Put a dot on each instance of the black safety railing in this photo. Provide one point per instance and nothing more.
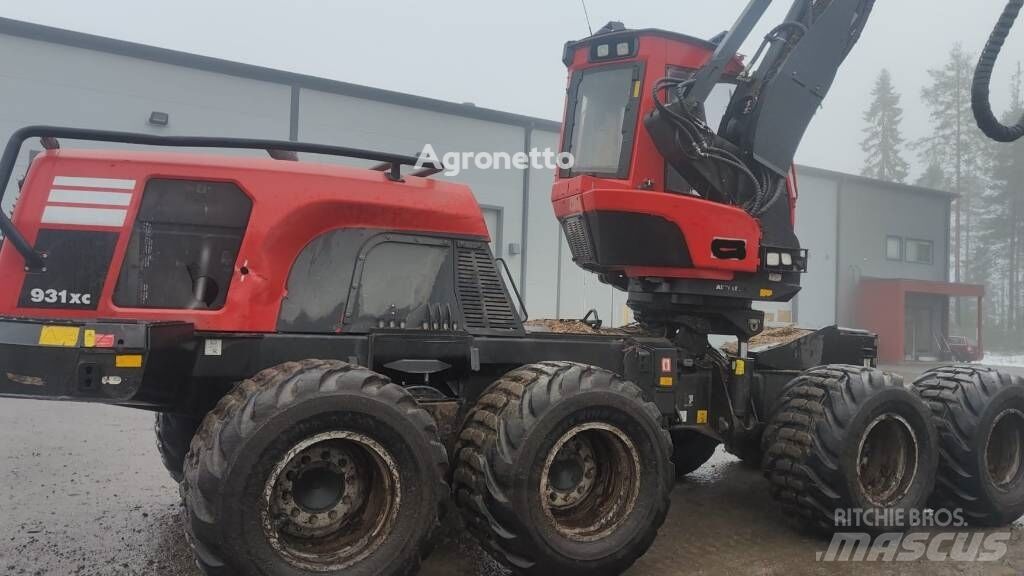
(282, 150)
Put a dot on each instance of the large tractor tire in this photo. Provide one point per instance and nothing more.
(979, 413)
(691, 450)
(312, 468)
(751, 447)
(849, 438)
(174, 434)
(564, 469)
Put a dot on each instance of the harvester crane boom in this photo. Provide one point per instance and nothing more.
(980, 101)
(747, 160)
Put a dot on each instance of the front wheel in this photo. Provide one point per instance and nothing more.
(314, 467)
(564, 469)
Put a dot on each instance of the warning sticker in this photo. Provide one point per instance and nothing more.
(66, 336)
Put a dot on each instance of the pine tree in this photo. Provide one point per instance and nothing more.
(960, 150)
(1001, 225)
(933, 177)
(883, 139)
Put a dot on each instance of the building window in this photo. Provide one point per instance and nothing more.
(919, 251)
(893, 248)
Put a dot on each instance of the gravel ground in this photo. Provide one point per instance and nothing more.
(82, 492)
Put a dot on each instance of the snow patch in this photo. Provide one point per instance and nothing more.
(999, 359)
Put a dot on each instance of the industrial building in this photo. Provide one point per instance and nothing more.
(879, 251)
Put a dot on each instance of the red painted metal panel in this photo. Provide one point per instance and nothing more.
(293, 203)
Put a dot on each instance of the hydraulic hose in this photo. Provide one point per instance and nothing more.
(980, 95)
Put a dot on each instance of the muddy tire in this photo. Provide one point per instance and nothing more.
(564, 469)
(174, 434)
(691, 450)
(849, 437)
(979, 413)
(314, 467)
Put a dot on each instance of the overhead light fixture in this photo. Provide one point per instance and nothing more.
(159, 118)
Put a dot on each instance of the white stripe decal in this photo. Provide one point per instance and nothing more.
(90, 197)
(94, 182)
(84, 216)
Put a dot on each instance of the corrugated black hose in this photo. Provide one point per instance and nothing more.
(980, 96)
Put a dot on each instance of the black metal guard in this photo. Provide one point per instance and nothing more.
(522, 304)
(278, 149)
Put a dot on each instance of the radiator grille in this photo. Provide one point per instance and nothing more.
(485, 303)
(578, 237)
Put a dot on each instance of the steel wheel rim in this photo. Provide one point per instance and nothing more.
(590, 499)
(887, 460)
(1004, 449)
(331, 501)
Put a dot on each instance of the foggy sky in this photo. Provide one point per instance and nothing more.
(507, 55)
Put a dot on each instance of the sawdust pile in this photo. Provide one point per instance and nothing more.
(771, 337)
(574, 327)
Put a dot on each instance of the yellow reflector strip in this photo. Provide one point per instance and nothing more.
(636, 89)
(66, 336)
(89, 338)
(665, 382)
(702, 416)
(128, 361)
(740, 367)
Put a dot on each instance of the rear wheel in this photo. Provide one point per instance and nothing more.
(174, 433)
(564, 469)
(314, 467)
(979, 413)
(691, 450)
(850, 438)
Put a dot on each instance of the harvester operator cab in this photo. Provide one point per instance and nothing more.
(627, 210)
(611, 78)
(682, 186)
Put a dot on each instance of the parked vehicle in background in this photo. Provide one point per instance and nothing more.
(961, 349)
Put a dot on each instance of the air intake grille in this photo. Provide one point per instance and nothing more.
(578, 236)
(484, 301)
